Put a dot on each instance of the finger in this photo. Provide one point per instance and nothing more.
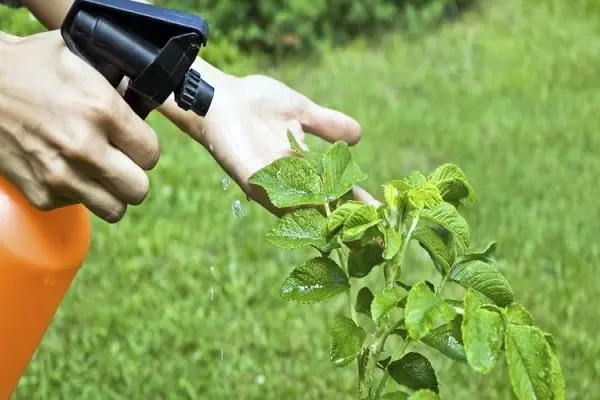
(77, 188)
(329, 124)
(134, 137)
(122, 177)
(98, 200)
(361, 194)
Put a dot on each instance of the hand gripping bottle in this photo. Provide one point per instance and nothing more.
(40, 252)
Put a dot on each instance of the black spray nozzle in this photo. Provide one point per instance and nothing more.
(153, 46)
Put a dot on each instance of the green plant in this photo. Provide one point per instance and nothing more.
(477, 325)
(279, 27)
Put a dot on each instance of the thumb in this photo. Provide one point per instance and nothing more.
(329, 124)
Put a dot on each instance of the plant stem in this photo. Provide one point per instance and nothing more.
(402, 252)
(386, 372)
(344, 265)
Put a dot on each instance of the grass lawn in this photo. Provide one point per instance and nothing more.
(180, 300)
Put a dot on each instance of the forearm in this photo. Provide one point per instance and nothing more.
(51, 13)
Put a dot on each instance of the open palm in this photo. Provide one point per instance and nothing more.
(247, 124)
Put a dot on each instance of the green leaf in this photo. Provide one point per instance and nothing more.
(362, 260)
(403, 186)
(315, 159)
(346, 340)
(316, 280)
(448, 217)
(391, 196)
(302, 227)
(341, 172)
(415, 179)
(483, 333)
(484, 278)
(364, 299)
(337, 218)
(533, 367)
(431, 241)
(359, 221)
(551, 342)
(289, 182)
(425, 311)
(424, 196)
(452, 184)
(517, 314)
(395, 396)
(424, 395)
(415, 372)
(447, 339)
(384, 302)
(486, 255)
(393, 242)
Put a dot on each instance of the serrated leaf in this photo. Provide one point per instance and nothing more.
(341, 172)
(364, 298)
(415, 372)
(391, 196)
(447, 339)
(448, 217)
(424, 395)
(483, 333)
(315, 159)
(302, 227)
(316, 280)
(486, 255)
(431, 241)
(425, 311)
(337, 218)
(290, 181)
(533, 367)
(424, 196)
(415, 178)
(393, 242)
(551, 342)
(401, 185)
(362, 260)
(359, 221)
(395, 396)
(452, 183)
(384, 302)
(346, 340)
(517, 314)
(484, 278)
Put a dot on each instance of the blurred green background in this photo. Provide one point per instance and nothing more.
(180, 300)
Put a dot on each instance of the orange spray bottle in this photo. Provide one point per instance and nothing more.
(41, 252)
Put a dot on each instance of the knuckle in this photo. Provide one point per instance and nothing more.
(78, 148)
(56, 175)
(104, 110)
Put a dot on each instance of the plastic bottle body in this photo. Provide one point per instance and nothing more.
(40, 254)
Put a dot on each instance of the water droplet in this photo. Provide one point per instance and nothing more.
(213, 270)
(211, 294)
(260, 380)
(211, 147)
(225, 182)
(222, 354)
(237, 209)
